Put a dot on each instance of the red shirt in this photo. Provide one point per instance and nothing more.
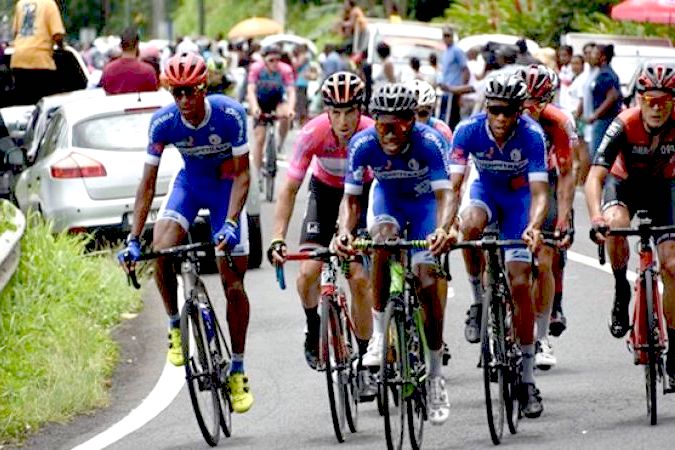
(125, 75)
(560, 136)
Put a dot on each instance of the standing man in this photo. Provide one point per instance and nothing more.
(454, 73)
(128, 73)
(37, 26)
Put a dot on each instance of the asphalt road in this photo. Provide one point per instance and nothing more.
(594, 398)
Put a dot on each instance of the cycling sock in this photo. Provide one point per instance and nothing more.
(435, 362)
(557, 302)
(620, 281)
(174, 321)
(363, 346)
(378, 318)
(476, 289)
(237, 363)
(542, 322)
(528, 364)
(313, 321)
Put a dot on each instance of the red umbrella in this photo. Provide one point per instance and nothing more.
(655, 11)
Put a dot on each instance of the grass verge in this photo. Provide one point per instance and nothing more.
(56, 316)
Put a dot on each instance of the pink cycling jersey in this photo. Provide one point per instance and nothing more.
(282, 77)
(316, 144)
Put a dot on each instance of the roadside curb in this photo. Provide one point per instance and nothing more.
(10, 238)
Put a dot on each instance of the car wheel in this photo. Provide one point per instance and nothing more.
(255, 242)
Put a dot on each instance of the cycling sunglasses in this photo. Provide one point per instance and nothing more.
(399, 128)
(273, 59)
(187, 91)
(662, 101)
(508, 111)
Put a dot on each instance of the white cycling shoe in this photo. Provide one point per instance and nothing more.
(544, 358)
(439, 404)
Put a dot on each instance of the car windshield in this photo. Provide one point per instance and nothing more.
(123, 132)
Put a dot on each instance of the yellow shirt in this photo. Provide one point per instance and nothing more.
(35, 22)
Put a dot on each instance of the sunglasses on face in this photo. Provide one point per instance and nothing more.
(662, 102)
(507, 111)
(187, 91)
(273, 59)
(398, 128)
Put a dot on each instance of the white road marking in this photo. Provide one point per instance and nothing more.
(172, 378)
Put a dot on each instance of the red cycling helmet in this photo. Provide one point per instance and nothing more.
(657, 77)
(186, 69)
(538, 81)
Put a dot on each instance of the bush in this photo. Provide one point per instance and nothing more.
(56, 315)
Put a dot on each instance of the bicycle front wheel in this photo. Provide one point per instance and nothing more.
(512, 375)
(492, 360)
(417, 403)
(653, 351)
(337, 369)
(200, 372)
(392, 374)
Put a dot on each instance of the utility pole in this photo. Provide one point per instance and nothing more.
(202, 17)
(159, 25)
(279, 12)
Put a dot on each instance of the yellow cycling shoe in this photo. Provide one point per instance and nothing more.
(175, 355)
(240, 392)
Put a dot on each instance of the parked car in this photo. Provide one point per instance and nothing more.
(88, 160)
(16, 120)
(71, 73)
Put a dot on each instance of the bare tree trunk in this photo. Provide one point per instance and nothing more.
(279, 12)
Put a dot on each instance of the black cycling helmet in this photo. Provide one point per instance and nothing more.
(393, 98)
(271, 49)
(509, 87)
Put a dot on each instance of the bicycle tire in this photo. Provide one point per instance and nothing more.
(512, 373)
(330, 351)
(199, 372)
(417, 404)
(652, 347)
(351, 391)
(492, 353)
(392, 371)
(270, 165)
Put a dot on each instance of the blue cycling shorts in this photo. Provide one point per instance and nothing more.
(418, 213)
(187, 195)
(507, 208)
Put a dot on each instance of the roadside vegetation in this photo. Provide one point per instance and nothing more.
(57, 355)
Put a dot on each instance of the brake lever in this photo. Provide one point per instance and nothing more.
(131, 277)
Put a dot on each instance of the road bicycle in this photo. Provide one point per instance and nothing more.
(403, 377)
(648, 338)
(205, 349)
(501, 357)
(269, 165)
(338, 352)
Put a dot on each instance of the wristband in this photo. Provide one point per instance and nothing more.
(232, 222)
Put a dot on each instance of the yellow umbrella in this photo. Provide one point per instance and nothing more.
(255, 26)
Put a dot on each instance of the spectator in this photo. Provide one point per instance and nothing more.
(303, 74)
(585, 108)
(565, 72)
(524, 57)
(354, 20)
(606, 92)
(454, 73)
(570, 102)
(128, 73)
(150, 55)
(333, 62)
(37, 26)
(187, 45)
(433, 63)
(386, 72)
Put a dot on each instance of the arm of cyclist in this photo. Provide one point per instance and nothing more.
(565, 193)
(227, 236)
(291, 99)
(350, 211)
(252, 98)
(440, 239)
(282, 216)
(538, 207)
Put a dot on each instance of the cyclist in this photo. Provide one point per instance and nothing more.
(633, 170)
(410, 188)
(322, 144)
(560, 138)
(511, 188)
(270, 88)
(426, 104)
(210, 134)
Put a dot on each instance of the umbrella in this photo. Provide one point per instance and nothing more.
(654, 11)
(255, 26)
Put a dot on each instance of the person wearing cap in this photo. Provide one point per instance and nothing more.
(128, 73)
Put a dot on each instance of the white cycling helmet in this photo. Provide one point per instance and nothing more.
(393, 98)
(425, 92)
(506, 86)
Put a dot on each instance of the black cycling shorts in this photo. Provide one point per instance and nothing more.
(323, 205)
(657, 196)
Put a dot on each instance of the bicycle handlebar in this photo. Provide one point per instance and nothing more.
(642, 230)
(319, 254)
(394, 244)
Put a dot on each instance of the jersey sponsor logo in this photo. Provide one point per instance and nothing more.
(384, 174)
(205, 150)
(423, 187)
(667, 149)
(640, 150)
(313, 227)
(214, 139)
(516, 155)
(159, 121)
(241, 122)
(413, 164)
(358, 174)
(501, 166)
(433, 137)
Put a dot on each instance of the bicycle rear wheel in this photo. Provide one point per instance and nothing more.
(652, 346)
(492, 360)
(270, 164)
(392, 372)
(417, 403)
(200, 373)
(337, 369)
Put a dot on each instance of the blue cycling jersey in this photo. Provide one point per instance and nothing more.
(523, 154)
(415, 172)
(207, 149)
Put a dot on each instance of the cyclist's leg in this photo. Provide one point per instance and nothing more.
(177, 212)
(284, 124)
(617, 211)
(558, 321)
(266, 107)
(477, 212)
(383, 224)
